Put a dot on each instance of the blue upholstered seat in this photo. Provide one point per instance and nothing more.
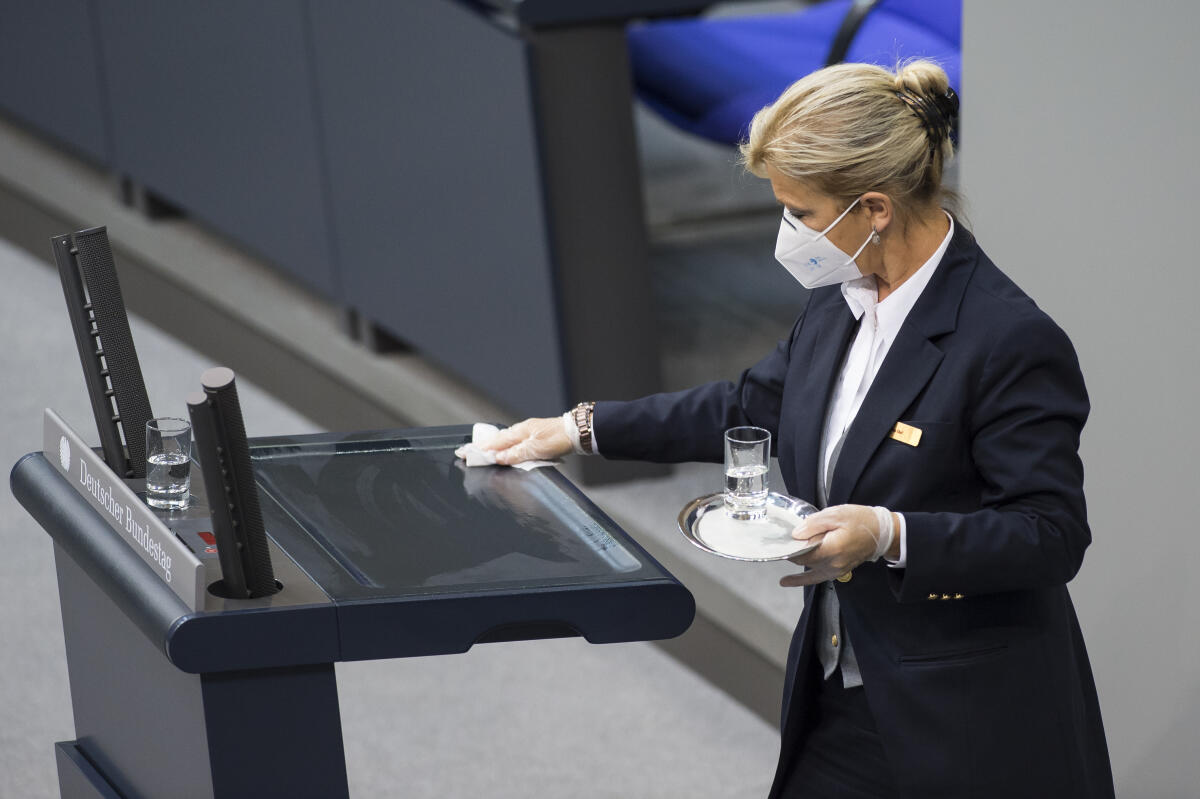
(709, 76)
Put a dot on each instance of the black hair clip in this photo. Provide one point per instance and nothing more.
(947, 104)
(937, 114)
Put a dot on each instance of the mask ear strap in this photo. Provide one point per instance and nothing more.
(841, 217)
(873, 237)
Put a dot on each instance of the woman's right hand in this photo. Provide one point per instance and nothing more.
(531, 440)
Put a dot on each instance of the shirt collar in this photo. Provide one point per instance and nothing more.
(861, 294)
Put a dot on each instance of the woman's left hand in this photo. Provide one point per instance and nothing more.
(849, 535)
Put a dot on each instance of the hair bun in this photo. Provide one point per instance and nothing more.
(925, 88)
(852, 128)
(922, 77)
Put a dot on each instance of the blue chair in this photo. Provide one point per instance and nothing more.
(709, 76)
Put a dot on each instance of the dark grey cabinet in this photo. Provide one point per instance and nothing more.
(213, 109)
(435, 186)
(463, 176)
(50, 73)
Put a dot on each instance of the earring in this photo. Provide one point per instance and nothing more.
(874, 236)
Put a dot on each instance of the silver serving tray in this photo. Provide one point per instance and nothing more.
(704, 522)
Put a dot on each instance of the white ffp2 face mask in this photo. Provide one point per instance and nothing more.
(812, 258)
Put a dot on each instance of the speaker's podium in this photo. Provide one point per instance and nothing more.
(385, 545)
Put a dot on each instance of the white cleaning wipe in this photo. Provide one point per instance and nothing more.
(475, 455)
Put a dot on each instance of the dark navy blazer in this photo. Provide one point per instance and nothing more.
(971, 657)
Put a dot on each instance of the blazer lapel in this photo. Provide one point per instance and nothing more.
(834, 331)
(909, 365)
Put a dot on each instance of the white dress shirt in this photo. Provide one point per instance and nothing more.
(880, 323)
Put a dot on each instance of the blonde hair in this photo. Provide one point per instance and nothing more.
(853, 128)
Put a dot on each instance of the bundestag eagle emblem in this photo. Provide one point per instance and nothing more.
(64, 453)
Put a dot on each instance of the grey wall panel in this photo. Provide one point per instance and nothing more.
(428, 123)
(1080, 166)
(212, 107)
(49, 72)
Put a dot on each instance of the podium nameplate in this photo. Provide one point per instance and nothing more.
(139, 526)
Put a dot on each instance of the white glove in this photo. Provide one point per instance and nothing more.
(850, 535)
(531, 440)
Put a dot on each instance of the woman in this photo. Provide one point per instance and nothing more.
(934, 412)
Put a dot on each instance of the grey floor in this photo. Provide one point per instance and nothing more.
(722, 300)
(504, 720)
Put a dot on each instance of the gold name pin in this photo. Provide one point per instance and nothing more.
(906, 434)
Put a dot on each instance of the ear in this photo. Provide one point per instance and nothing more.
(879, 210)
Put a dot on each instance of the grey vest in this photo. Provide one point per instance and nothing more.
(833, 644)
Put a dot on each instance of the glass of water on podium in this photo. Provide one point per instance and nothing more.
(747, 460)
(168, 463)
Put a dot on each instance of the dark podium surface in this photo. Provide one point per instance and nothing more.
(386, 546)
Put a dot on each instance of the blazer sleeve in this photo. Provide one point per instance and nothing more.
(690, 425)
(1031, 530)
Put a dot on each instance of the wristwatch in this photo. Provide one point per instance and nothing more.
(582, 414)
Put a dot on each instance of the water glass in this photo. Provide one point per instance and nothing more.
(168, 463)
(747, 460)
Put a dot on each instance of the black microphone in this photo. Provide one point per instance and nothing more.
(224, 456)
(110, 363)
